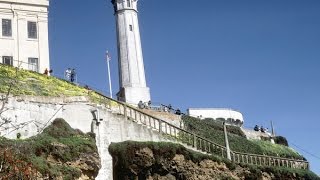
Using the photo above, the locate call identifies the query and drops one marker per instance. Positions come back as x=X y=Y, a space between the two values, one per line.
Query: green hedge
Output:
x=281 y=140
x=214 y=131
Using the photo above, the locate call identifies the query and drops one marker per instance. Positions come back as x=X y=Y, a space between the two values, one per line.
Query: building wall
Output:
x=217 y=113
x=19 y=46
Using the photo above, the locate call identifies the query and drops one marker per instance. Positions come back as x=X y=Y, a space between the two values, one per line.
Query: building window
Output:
x=130 y=28
x=6 y=27
x=32 y=30
x=33 y=64
x=8 y=60
x=128 y=3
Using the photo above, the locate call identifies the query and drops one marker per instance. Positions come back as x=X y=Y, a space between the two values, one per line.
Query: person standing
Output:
x=46 y=72
x=67 y=74
x=73 y=75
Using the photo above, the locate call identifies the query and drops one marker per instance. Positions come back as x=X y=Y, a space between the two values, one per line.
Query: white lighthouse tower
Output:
x=133 y=86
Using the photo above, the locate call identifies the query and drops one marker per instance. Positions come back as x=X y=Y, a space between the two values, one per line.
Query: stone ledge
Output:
x=51 y=100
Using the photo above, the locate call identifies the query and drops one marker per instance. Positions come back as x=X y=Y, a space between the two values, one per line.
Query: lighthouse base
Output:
x=132 y=95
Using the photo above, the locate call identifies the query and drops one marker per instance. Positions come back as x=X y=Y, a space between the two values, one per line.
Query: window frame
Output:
x=129 y=3
x=33 y=66
x=32 y=28
x=6 y=30
x=10 y=58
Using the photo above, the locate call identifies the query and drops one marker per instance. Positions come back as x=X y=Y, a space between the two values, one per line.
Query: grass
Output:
x=31 y=83
x=59 y=141
x=213 y=131
x=24 y=82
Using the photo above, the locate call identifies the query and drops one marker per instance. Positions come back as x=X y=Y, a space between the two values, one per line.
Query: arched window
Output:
x=128 y=3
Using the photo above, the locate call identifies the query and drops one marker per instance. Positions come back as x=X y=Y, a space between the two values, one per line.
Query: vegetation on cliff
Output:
x=150 y=160
x=23 y=82
x=32 y=83
x=58 y=152
x=214 y=131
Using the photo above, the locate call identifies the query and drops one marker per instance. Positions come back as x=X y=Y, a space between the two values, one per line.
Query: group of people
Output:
x=261 y=129
x=168 y=108
x=70 y=75
x=165 y=108
x=144 y=105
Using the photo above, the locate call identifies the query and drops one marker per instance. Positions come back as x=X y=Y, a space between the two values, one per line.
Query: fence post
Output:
x=125 y=112
x=160 y=126
x=135 y=116
x=194 y=141
x=131 y=113
x=226 y=140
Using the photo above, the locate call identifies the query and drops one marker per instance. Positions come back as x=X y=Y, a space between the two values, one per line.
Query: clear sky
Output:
x=260 y=57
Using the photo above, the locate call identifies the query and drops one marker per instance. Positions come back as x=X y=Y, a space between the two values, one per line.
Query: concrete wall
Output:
x=30 y=115
x=19 y=46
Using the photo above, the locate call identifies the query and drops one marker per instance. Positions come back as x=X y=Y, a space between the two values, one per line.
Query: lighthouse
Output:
x=133 y=87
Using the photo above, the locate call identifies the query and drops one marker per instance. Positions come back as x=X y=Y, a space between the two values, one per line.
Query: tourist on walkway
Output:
x=67 y=74
x=256 y=128
x=178 y=112
x=73 y=75
x=140 y=105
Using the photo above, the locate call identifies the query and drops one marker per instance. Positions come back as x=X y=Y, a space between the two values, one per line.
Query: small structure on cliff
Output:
x=229 y=116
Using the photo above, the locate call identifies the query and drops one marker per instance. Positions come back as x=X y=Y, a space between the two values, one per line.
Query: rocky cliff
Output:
x=59 y=152
x=167 y=161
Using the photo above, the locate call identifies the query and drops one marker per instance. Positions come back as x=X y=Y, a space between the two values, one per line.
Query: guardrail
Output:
x=191 y=139
x=198 y=142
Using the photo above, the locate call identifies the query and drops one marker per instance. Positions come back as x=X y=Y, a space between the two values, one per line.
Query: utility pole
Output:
x=226 y=140
x=108 y=58
x=272 y=130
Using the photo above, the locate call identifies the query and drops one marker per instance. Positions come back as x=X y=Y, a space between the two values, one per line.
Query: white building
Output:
x=229 y=116
x=133 y=86
x=24 y=34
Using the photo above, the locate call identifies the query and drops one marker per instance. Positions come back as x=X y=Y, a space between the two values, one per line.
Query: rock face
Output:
x=144 y=166
x=154 y=161
x=59 y=152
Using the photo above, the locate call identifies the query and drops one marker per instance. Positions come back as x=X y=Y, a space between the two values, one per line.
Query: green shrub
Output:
x=281 y=140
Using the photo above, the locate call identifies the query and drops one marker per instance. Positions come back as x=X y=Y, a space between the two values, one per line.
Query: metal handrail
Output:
x=198 y=142
x=303 y=164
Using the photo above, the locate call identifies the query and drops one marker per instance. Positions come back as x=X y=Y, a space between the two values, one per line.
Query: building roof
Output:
x=28 y=2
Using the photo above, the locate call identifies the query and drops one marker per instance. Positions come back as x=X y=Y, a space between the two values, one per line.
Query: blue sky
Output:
x=259 y=57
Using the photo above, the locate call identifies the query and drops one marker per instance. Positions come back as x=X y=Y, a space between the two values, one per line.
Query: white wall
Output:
x=216 y=113
x=19 y=46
